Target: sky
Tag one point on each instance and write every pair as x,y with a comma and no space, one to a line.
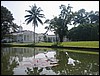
50,9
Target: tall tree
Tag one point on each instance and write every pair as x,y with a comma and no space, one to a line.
83,17
59,25
80,17
93,17
34,16
88,22
84,32
66,16
7,25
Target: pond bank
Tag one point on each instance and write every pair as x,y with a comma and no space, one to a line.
62,47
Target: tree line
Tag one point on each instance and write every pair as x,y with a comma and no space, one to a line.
7,24
86,24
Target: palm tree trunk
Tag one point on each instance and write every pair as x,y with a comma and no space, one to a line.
34,52
34,34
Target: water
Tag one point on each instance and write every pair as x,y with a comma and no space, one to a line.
47,61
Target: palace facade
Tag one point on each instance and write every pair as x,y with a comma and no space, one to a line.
28,36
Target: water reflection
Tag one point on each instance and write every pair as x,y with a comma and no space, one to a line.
8,63
43,61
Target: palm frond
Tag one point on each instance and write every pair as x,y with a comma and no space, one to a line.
40,20
29,20
28,16
39,9
29,11
35,22
34,15
41,15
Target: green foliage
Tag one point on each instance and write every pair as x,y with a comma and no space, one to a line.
45,38
7,66
83,17
7,25
6,15
59,25
84,32
88,26
87,29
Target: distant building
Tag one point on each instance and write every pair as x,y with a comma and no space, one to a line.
28,36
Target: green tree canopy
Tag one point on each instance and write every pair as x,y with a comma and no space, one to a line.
59,25
84,32
83,17
7,25
88,25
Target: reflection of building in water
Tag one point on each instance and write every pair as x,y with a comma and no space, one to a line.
25,57
22,52
20,57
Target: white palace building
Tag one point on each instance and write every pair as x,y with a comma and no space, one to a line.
28,36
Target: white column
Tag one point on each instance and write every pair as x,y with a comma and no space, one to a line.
29,37
23,37
26,38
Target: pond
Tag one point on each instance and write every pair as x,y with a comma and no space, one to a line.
48,61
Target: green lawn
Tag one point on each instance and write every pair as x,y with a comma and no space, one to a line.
90,44
80,51
44,44
18,43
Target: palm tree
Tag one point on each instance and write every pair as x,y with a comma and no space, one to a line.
34,16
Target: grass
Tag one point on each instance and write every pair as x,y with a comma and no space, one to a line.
89,44
44,44
18,43
80,51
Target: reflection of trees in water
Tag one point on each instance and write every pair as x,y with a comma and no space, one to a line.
20,53
40,71
33,71
7,64
89,64
61,69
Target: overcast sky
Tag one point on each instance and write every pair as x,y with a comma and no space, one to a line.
50,9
